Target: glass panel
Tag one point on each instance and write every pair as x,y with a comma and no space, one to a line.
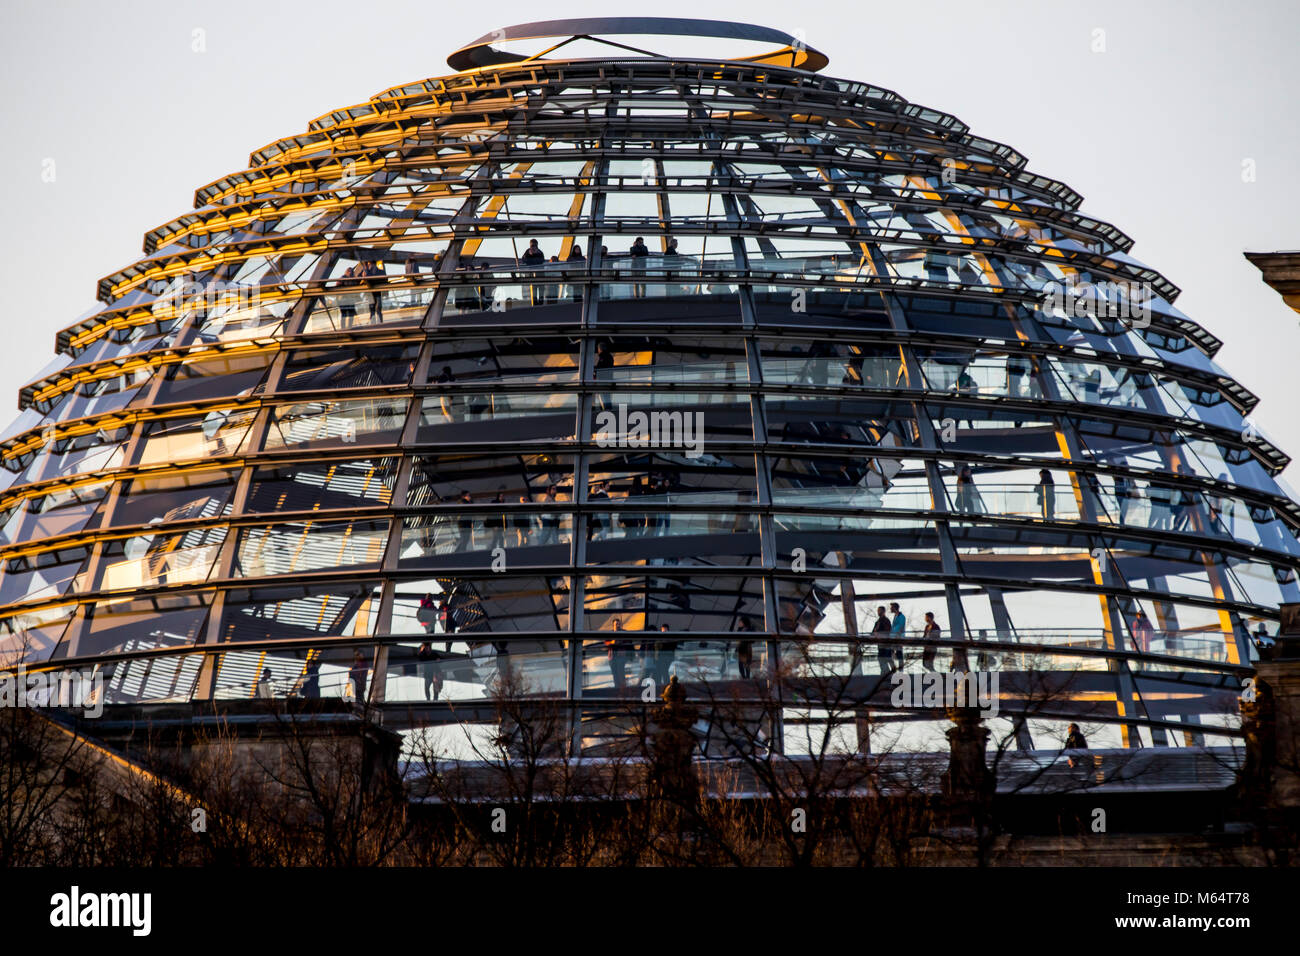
158,559
237,323
296,547
487,287
208,377
677,538
62,511
32,636
807,419
487,416
100,396
528,537
480,604
880,481
426,671
633,609
177,497
98,451
679,420
662,478
669,277
152,680
42,576
359,367
540,359
658,360
787,362
359,307
328,423
268,613
322,485
445,478
143,624
855,309
330,671
214,435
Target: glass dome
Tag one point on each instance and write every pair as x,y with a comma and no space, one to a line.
469,374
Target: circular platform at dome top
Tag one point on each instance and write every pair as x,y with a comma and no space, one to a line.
790,52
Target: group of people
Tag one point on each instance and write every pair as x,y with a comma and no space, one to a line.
436,616
308,685
656,657
456,407
892,626
370,269
485,532
1144,635
603,524
534,258
1172,508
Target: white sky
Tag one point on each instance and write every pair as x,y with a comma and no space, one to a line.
1152,132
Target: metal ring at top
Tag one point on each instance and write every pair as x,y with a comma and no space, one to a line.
791,52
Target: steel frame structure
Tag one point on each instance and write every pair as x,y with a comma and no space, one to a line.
253,453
